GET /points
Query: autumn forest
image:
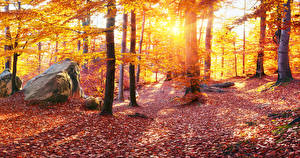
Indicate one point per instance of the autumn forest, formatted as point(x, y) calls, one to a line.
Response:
point(149, 78)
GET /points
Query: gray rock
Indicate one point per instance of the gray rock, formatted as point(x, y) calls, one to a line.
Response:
point(93, 103)
point(55, 85)
point(5, 83)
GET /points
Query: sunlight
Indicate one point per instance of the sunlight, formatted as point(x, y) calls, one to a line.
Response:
point(176, 30)
point(247, 133)
point(222, 111)
point(153, 135)
point(68, 139)
point(166, 111)
point(126, 112)
point(10, 116)
point(126, 102)
point(240, 85)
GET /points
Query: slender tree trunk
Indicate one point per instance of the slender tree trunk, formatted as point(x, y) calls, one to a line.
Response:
point(156, 79)
point(244, 39)
point(51, 55)
point(15, 59)
point(284, 71)
point(40, 57)
point(78, 45)
point(278, 34)
point(235, 65)
point(260, 56)
point(8, 38)
point(200, 30)
point(78, 41)
point(131, 66)
point(222, 64)
point(86, 22)
point(123, 50)
point(235, 60)
point(110, 63)
point(208, 39)
point(56, 49)
point(192, 58)
point(140, 49)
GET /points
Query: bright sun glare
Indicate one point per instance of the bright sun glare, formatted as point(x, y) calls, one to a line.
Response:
point(175, 30)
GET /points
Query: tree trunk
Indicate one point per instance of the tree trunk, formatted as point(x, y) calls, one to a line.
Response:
point(208, 42)
point(78, 45)
point(284, 71)
point(110, 63)
point(15, 59)
point(260, 56)
point(200, 30)
point(140, 49)
point(40, 57)
point(222, 64)
point(131, 66)
point(123, 50)
point(235, 65)
point(8, 37)
point(235, 60)
point(192, 58)
point(86, 22)
point(56, 49)
point(244, 39)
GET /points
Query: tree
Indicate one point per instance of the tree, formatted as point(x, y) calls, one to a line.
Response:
point(123, 50)
point(86, 22)
point(8, 37)
point(192, 58)
point(208, 40)
point(40, 56)
point(131, 66)
point(260, 55)
point(140, 48)
point(244, 38)
point(284, 71)
point(110, 63)
point(15, 58)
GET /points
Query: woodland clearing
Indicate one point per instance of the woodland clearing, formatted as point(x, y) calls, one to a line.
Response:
point(234, 123)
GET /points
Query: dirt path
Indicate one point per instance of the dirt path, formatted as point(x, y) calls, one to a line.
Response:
point(228, 124)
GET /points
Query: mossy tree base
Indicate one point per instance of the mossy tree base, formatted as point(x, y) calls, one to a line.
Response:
point(133, 104)
point(106, 113)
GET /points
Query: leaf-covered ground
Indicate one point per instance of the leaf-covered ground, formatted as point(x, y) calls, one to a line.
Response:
point(231, 124)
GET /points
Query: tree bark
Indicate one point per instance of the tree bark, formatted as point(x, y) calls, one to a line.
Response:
point(208, 39)
point(86, 22)
point(140, 49)
point(85, 42)
point(40, 57)
point(222, 64)
point(244, 39)
point(123, 50)
point(8, 37)
point(192, 58)
point(200, 30)
point(56, 49)
point(131, 66)
point(260, 56)
point(15, 58)
point(284, 71)
point(235, 60)
point(110, 63)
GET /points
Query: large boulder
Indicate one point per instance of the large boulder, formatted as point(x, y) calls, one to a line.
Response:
point(5, 83)
point(55, 85)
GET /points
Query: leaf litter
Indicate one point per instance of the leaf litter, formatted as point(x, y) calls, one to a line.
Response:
point(231, 124)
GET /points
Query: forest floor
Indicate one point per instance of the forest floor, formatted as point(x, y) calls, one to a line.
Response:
point(230, 124)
